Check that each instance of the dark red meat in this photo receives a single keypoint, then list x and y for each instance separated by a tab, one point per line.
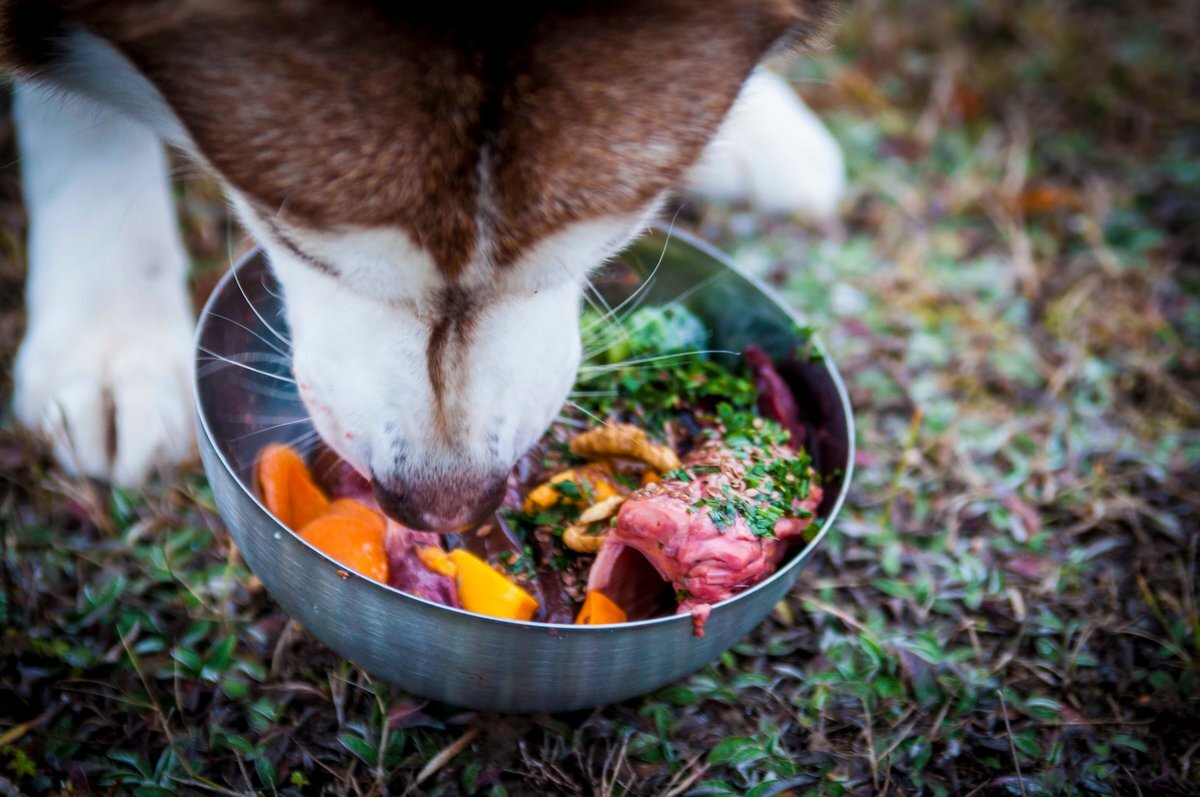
408	574
775	398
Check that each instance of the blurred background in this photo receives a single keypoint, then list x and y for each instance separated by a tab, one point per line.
1009	603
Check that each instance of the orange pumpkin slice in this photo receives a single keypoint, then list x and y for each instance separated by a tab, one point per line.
349	508
352	539
287	487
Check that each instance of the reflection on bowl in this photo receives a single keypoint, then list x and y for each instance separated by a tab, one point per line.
445	653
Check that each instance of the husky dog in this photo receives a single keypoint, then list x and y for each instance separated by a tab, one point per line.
432	183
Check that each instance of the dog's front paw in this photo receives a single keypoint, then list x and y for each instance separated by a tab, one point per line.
773	153
115	402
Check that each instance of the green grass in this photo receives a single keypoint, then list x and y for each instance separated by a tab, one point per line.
1006	606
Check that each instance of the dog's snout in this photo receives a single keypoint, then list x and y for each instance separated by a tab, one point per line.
449	503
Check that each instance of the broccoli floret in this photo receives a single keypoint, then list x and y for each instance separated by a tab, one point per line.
654	331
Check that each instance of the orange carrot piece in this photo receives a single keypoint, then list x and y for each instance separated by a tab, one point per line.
598	609
287	487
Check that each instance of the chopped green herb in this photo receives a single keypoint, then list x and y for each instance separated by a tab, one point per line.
568	489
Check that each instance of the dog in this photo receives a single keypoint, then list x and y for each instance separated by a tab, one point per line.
432	187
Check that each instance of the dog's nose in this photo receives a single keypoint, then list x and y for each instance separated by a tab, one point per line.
450	503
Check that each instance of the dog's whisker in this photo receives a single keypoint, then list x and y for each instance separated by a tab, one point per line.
263	338
611	335
328	468
260	357
617	366
592	393
598	305
257	387
616	329
653	272
265	429
240	418
267	287
211	366
311	434
588	413
305	442
614	313
237	281
307	447
674	303
268	374
599	300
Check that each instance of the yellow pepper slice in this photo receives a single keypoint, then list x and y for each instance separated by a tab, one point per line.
597	476
485	590
436	560
598	609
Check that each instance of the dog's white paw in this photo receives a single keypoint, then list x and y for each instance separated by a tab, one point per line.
115	403
103	371
773	153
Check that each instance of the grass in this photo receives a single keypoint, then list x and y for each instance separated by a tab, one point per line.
1008	604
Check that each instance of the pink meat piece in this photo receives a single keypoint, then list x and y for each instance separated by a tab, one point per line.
703	563
406	571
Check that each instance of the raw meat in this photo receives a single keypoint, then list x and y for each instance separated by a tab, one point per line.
703	562
408	574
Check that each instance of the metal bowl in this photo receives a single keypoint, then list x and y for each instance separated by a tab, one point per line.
448	654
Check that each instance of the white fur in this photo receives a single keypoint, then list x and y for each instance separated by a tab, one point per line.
91	67
773	153
109	328
360	344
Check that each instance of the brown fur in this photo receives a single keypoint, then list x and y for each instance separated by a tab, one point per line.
448	342
348	112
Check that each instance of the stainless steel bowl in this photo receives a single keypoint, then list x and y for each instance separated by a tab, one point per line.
452	655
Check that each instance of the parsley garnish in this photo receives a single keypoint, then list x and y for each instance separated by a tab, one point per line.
568	489
716	393
518	563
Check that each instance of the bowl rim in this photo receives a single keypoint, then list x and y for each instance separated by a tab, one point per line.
669	232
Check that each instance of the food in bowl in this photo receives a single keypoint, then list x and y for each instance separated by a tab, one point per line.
675	479
353	532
